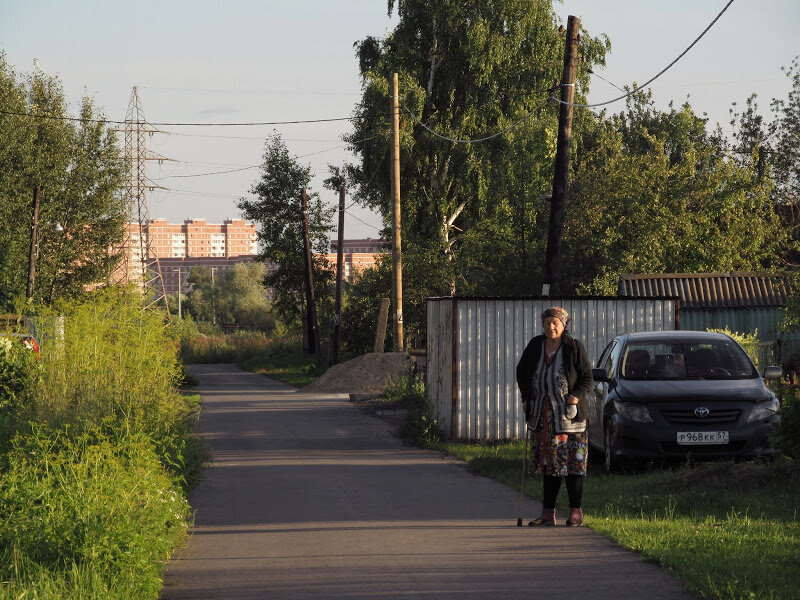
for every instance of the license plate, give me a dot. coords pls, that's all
(702, 437)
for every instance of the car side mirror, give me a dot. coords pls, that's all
(773, 372)
(602, 375)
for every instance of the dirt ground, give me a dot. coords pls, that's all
(364, 375)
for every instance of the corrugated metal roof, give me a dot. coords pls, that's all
(710, 290)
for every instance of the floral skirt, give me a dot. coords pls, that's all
(558, 455)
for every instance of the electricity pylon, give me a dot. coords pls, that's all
(139, 264)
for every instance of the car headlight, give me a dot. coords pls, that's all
(632, 411)
(763, 410)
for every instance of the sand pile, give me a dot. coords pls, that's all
(365, 374)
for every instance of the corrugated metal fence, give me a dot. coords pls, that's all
(474, 345)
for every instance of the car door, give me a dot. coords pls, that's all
(600, 392)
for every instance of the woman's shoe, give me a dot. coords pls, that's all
(541, 523)
(575, 518)
(547, 518)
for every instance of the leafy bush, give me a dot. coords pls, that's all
(90, 516)
(92, 486)
(116, 366)
(421, 426)
(18, 376)
(748, 341)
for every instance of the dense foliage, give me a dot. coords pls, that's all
(659, 193)
(651, 190)
(466, 70)
(98, 454)
(79, 168)
(236, 298)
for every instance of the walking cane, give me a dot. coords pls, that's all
(524, 470)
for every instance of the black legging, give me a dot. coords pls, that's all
(574, 489)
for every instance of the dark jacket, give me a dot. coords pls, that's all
(577, 370)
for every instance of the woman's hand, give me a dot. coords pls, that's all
(572, 407)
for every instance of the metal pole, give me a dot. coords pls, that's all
(34, 241)
(552, 274)
(397, 263)
(337, 316)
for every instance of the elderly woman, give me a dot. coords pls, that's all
(555, 377)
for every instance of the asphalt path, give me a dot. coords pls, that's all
(308, 498)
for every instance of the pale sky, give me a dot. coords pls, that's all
(249, 60)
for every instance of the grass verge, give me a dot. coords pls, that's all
(727, 530)
(97, 452)
(282, 359)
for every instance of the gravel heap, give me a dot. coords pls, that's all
(367, 374)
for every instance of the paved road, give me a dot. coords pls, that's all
(309, 498)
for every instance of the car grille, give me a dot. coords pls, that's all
(687, 416)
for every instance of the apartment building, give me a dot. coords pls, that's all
(185, 245)
(197, 239)
(358, 255)
(219, 247)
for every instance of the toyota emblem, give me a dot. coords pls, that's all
(702, 412)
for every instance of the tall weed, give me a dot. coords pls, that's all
(278, 358)
(93, 479)
(86, 514)
(18, 375)
(116, 366)
(422, 425)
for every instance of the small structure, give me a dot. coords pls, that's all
(740, 302)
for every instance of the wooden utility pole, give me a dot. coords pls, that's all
(311, 309)
(34, 241)
(397, 263)
(337, 311)
(558, 202)
(380, 329)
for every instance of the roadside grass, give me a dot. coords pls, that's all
(96, 456)
(282, 359)
(727, 530)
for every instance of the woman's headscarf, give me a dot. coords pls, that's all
(557, 312)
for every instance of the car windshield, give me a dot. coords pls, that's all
(702, 359)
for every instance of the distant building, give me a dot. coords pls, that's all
(194, 242)
(219, 247)
(196, 238)
(358, 254)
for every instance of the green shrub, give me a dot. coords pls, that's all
(748, 341)
(421, 426)
(116, 366)
(18, 376)
(91, 516)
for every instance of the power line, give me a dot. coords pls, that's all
(657, 75)
(211, 173)
(363, 221)
(207, 194)
(374, 173)
(239, 137)
(591, 72)
(476, 140)
(166, 124)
